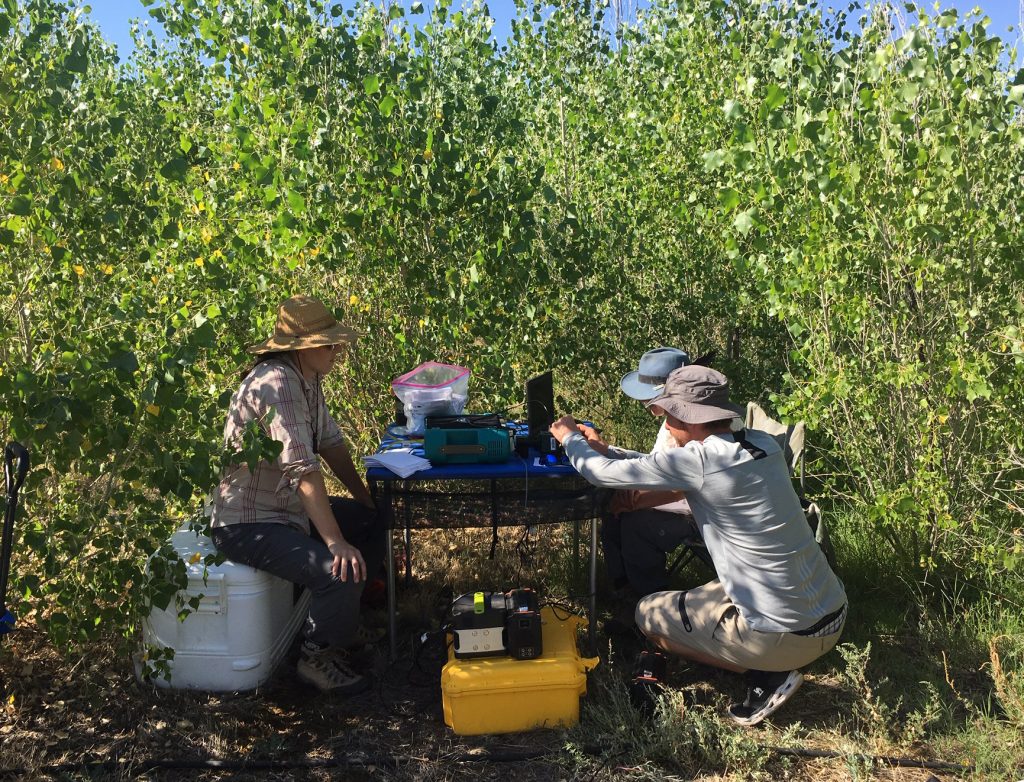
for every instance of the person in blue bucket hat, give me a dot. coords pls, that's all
(640, 528)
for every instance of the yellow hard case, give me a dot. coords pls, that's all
(503, 695)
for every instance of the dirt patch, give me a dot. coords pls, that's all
(84, 715)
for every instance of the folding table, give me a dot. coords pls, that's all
(523, 491)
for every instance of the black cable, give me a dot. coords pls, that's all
(901, 762)
(391, 761)
(557, 606)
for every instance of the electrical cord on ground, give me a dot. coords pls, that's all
(901, 762)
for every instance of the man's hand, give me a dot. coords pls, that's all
(346, 555)
(563, 427)
(593, 438)
(567, 425)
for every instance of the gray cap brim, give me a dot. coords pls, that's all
(692, 413)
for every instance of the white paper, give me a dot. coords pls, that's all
(401, 463)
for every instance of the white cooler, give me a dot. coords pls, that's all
(245, 621)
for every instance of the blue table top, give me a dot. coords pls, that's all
(535, 466)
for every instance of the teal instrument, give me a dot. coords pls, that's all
(468, 446)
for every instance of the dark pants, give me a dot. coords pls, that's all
(304, 559)
(636, 543)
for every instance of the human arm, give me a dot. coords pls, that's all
(313, 494)
(567, 425)
(626, 500)
(340, 461)
(592, 436)
(681, 469)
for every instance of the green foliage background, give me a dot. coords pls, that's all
(835, 210)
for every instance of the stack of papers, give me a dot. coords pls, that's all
(401, 462)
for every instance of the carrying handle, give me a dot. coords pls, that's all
(15, 452)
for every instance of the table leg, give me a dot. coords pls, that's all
(387, 513)
(408, 539)
(392, 601)
(592, 597)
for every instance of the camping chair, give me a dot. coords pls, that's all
(791, 438)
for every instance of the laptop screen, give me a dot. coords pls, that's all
(540, 403)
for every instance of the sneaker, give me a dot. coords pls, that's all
(328, 671)
(646, 685)
(766, 692)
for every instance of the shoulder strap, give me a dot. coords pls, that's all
(741, 438)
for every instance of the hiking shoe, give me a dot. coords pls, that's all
(646, 685)
(767, 691)
(328, 671)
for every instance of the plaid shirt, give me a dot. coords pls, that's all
(300, 422)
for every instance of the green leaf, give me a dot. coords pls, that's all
(387, 105)
(371, 84)
(744, 221)
(775, 97)
(21, 205)
(77, 59)
(296, 202)
(714, 159)
(124, 361)
(174, 169)
(728, 198)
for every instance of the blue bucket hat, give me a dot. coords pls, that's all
(655, 366)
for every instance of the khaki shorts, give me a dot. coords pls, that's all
(713, 628)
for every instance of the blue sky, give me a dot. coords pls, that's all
(113, 15)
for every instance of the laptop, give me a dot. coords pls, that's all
(540, 404)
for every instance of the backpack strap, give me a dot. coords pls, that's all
(741, 438)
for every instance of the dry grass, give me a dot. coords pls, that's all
(87, 707)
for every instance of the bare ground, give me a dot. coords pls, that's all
(84, 715)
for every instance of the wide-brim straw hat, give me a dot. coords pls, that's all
(304, 322)
(695, 395)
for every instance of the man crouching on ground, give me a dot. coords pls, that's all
(776, 605)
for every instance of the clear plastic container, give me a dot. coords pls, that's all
(431, 389)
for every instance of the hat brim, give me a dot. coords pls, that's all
(633, 388)
(691, 413)
(333, 335)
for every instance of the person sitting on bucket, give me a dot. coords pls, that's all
(776, 605)
(261, 518)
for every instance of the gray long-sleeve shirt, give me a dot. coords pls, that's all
(754, 528)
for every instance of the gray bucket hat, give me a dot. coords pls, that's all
(649, 379)
(695, 395)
